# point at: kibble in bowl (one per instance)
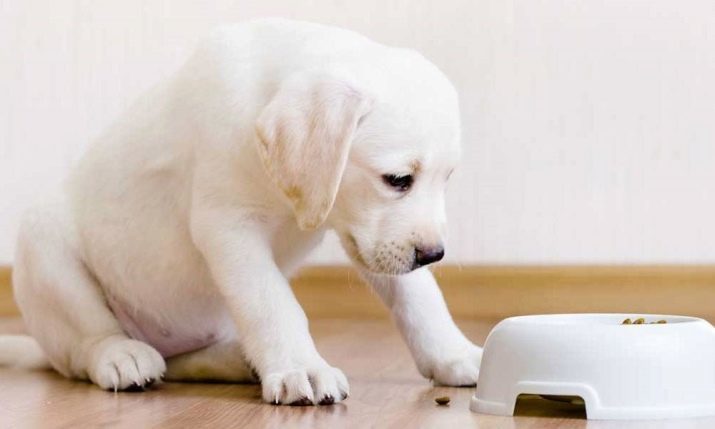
(641, 321)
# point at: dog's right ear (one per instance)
(305, 133)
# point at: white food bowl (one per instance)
(648, 371)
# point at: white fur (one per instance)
(189, 214)
(21, 351)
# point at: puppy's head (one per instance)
(370, 161)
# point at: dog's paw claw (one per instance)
(327, 400)
(302, 402)
(134, 387)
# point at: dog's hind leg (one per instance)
(65, 310)
(222, 362)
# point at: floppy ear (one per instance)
(305, 133)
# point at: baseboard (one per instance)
(496, 292)
(7, 305)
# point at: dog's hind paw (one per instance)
(118, 363)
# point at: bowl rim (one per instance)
(601, 319)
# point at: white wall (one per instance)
(589, 126)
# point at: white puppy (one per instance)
(169, 247)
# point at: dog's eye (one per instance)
(401, 183)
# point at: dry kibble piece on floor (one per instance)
(442, 400)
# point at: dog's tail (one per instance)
(22, 351)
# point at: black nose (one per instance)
(427, 255)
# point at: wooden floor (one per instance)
(386, 391)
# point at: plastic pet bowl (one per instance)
(648, 371)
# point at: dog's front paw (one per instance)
(118, 363)
(459, 368)
(321, 385)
